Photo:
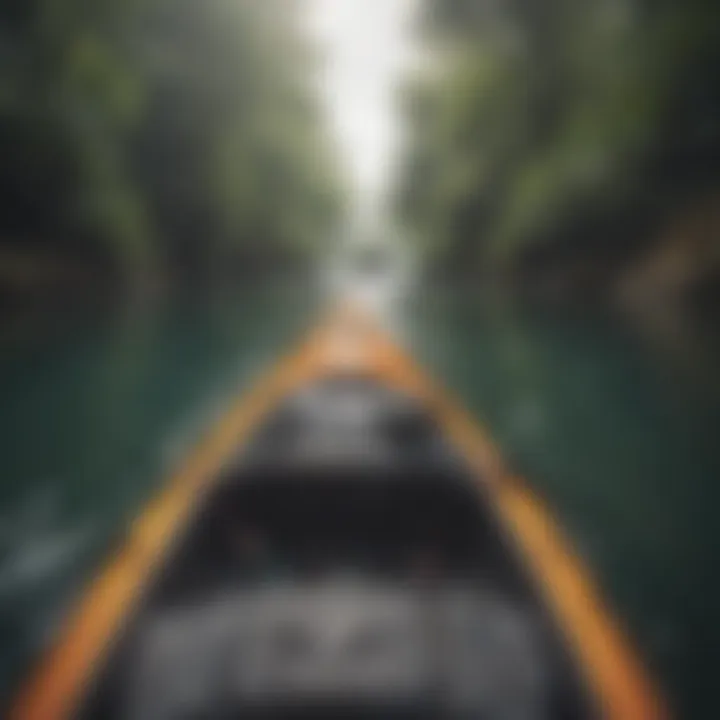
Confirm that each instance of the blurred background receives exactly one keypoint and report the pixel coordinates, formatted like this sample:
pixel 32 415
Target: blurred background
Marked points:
pixel 528 190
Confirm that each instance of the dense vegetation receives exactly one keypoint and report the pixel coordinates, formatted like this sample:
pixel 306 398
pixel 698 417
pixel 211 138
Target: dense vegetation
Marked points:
pixel 156 143
pixel 569 147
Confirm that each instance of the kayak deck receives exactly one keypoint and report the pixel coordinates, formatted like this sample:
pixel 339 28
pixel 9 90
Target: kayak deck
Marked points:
pixel 343 561
pixel 347 487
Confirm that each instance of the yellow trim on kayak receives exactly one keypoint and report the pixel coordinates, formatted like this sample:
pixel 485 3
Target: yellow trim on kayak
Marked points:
pixel 348 342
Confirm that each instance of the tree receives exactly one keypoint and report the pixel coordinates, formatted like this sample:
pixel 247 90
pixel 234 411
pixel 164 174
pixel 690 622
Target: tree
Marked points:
pixel 561 132
pixel 161 138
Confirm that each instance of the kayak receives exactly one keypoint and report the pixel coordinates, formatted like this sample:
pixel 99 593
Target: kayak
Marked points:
pixel 346 541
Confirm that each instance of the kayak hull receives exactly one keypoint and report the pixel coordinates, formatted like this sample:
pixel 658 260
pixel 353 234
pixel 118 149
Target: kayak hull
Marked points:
pixel 349 347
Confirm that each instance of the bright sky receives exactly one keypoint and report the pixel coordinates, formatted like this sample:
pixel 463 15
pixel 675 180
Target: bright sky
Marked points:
pixel 366 46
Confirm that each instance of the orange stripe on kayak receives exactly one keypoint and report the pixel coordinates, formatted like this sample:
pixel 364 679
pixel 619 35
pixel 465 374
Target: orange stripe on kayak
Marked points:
pixel 612 671
pixel 610 668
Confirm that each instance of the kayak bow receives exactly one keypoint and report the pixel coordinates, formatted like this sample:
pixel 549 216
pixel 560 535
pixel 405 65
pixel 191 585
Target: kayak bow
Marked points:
pixel 347 347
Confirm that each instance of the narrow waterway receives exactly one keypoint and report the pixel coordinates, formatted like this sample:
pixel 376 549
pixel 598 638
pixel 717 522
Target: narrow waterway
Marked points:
pixel 617 435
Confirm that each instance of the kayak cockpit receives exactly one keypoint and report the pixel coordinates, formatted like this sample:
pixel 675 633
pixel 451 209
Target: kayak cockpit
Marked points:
pixel 345 565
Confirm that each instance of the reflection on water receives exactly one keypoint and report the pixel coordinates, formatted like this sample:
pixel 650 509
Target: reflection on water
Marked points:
pixel 618 438
pixel 93 412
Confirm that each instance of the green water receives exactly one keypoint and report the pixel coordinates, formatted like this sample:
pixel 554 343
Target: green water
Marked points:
pixel 617 435
pixel 96 410
pixel 618 432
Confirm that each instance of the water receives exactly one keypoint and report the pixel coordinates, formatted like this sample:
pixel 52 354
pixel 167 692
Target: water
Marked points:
pixel 95 412
pixel 617 435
